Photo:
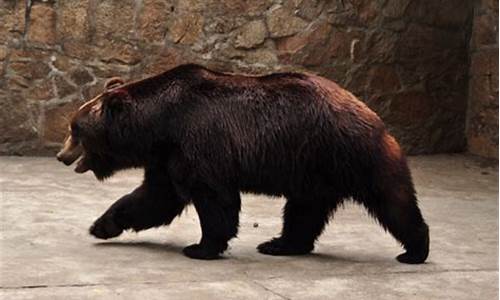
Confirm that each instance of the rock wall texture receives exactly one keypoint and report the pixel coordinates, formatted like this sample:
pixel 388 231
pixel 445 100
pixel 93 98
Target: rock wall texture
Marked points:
pixel 482 118
pixel 408 60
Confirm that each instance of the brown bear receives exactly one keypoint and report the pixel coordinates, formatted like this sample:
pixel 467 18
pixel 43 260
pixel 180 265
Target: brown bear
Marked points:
pixel 202 137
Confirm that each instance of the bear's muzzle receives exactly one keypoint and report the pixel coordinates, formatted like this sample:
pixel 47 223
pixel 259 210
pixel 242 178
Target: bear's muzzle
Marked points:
pixel 70 152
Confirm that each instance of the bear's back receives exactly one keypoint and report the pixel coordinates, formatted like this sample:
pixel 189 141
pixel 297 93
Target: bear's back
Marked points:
pixel 281 123
pixel 300 98
pixel 286 86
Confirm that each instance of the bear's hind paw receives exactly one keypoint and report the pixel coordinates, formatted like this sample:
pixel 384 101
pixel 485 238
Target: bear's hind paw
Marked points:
pixel 198 251
pixel 411 258
pixel 277 246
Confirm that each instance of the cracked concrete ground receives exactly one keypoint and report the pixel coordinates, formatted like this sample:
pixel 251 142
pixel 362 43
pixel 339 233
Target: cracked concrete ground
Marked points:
pixel 46 253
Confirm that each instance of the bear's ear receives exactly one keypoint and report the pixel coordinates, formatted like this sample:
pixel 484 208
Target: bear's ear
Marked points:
pixel 113 82
pixel 117 98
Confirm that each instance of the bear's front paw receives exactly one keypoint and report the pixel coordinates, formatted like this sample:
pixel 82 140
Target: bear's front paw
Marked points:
pixel 198 251
pixel 105 228
pixel 278 246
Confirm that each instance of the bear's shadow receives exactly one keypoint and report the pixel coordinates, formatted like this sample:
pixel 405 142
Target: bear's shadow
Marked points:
pixel 151 246
pixel 160 248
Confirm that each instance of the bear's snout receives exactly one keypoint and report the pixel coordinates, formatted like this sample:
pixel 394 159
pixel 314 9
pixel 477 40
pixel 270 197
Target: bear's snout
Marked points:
pixel 70 152
pixel 64 159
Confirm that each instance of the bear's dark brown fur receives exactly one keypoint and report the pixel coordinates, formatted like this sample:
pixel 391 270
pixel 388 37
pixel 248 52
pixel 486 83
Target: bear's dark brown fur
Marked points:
pixel 203 136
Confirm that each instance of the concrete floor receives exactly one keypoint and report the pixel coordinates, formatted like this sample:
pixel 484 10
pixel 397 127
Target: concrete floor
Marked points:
pixel 46 253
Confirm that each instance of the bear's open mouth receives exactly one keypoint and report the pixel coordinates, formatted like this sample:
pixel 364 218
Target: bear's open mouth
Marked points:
pixel 82 161
pixel 82 164
pixel 72 151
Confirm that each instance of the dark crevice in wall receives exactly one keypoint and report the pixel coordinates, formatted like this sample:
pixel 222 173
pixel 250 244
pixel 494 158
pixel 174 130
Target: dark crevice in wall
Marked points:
pixel 27 16
pixel 482 110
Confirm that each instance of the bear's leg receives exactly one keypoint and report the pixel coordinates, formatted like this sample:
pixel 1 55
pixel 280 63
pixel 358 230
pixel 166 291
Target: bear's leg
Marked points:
pixel 219 219
pixel 304 220
pixel 389 195
pixel 396 209
pixel 145 207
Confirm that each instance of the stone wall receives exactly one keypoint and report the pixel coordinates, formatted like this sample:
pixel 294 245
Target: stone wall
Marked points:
pixel 408 60
pixel 482 121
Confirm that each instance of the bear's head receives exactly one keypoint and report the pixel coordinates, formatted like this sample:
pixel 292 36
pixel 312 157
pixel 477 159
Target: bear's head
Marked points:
pixel 99 131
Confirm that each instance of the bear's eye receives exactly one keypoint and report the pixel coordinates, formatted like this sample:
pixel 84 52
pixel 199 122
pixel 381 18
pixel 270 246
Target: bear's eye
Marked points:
pixel 75 129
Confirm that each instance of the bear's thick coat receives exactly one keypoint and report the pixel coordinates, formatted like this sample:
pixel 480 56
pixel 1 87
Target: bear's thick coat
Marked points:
pixel 204 136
